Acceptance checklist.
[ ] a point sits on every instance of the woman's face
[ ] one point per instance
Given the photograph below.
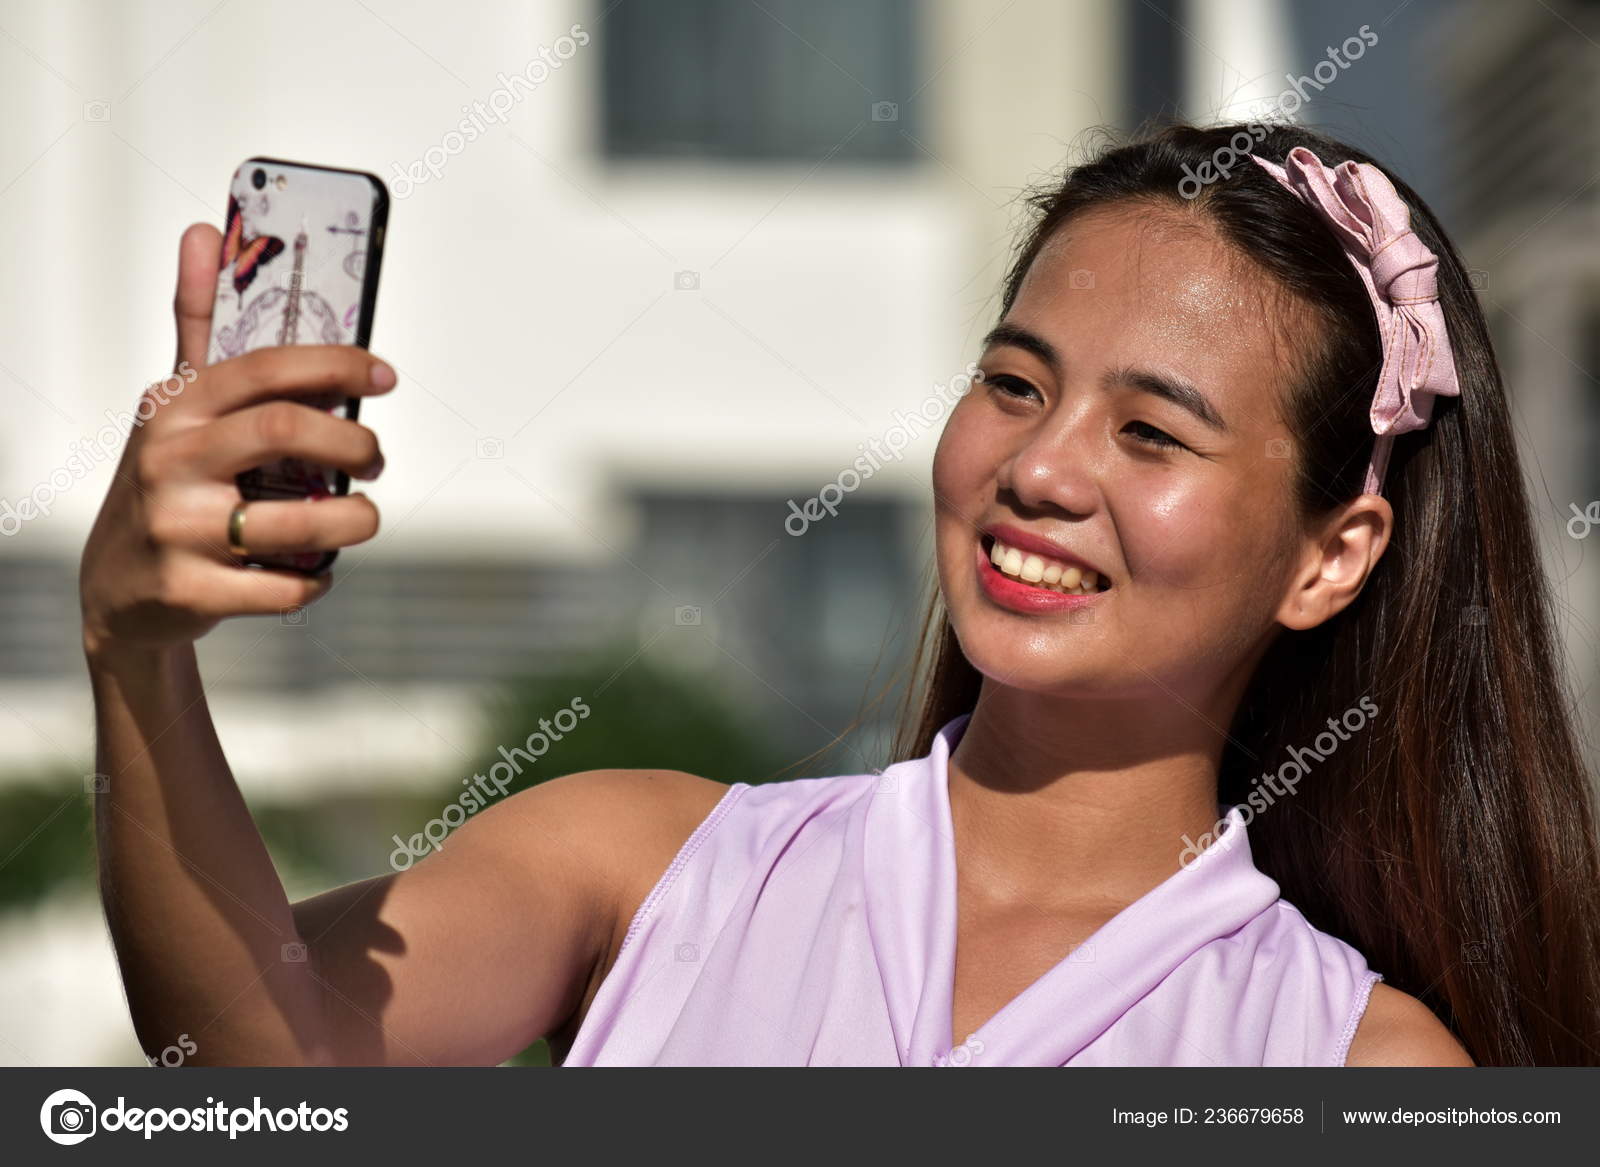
(1128, 417)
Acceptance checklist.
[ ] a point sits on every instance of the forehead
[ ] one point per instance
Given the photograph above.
(1159, 288)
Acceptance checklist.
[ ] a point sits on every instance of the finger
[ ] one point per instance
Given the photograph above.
(272, 527)
(258, 434)
(199, 259)
(303, 370)
(219, 591)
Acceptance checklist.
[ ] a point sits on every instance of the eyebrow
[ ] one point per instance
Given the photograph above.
(1174, 389)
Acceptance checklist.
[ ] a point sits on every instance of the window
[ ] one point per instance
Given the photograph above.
(1153, 82)
(779, 80)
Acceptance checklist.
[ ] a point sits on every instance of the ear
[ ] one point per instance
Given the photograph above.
(1335, 560)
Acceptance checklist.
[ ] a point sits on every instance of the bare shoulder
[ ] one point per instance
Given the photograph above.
(625, 825)
(1399, 1030)
(637, 809)
(595, 833)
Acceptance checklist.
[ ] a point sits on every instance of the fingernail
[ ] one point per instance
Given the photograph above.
(382, 376)
(373, 470)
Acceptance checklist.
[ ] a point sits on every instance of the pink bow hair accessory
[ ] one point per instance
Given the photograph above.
(1401, 276)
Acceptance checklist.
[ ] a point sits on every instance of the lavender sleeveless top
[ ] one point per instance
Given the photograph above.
(813, 922)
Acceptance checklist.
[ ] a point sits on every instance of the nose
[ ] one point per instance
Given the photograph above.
(1054, 467)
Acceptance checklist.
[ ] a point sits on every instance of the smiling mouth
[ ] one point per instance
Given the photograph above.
(1042, 572)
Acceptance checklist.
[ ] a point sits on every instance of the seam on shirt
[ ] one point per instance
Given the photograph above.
(1357, 1008)
(680, 861)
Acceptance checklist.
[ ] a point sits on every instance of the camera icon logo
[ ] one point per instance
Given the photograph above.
(885, 111)
(491, 448)
(1080, 616)
(1080, 279)
(686, 953)
(96, 783)
(686, 616)
(1473, 952)
(292, 617)
(294, 953)
(686, 281)
(1475, 614)
(97, 111)
(1478, 279)
(67, 1117)
(1278, 448)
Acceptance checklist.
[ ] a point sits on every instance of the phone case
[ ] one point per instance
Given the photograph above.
(300, 259)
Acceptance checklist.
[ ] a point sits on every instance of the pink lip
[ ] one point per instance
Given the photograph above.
(1023, 541)
(1020, 597)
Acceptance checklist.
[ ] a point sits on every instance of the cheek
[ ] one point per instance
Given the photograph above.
(1212, 557)
(956, 459)
(950, 495)
(963, 483)
(1208, 562)
(974, 445)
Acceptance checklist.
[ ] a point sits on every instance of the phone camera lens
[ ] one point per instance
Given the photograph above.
(259, 178)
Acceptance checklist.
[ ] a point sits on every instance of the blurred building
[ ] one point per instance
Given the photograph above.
(717, 252)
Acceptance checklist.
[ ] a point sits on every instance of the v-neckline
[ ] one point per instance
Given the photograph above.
(974, 1037)
(1134, 950)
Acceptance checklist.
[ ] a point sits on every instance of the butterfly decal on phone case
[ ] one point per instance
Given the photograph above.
(246, 257)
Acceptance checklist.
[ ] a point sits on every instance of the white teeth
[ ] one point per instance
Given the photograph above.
(1042, 572)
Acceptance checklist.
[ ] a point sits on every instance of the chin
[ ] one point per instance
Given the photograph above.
(1059, 662)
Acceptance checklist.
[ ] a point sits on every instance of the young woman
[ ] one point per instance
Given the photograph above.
(1242, 692)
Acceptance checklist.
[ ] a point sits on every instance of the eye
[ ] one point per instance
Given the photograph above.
(1011, 386)
(1151, 436)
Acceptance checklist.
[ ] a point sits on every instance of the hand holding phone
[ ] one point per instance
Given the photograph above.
(157, 571)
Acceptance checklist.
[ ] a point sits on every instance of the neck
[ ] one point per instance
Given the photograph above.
(1063, 802)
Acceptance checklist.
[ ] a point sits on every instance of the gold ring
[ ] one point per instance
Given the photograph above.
(236, 531)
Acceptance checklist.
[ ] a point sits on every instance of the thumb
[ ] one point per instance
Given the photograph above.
(199, 257)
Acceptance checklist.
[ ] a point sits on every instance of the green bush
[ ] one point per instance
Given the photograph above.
(46, 839)
(641, 717)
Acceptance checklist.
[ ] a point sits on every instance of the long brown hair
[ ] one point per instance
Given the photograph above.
(1454, 844)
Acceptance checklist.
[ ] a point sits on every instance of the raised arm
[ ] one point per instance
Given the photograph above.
(466, 956)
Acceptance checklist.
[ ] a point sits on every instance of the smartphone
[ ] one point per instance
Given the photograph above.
(300, 258)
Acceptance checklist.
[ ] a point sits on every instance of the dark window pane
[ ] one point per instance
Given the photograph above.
(1154, 79)
(782, 80)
